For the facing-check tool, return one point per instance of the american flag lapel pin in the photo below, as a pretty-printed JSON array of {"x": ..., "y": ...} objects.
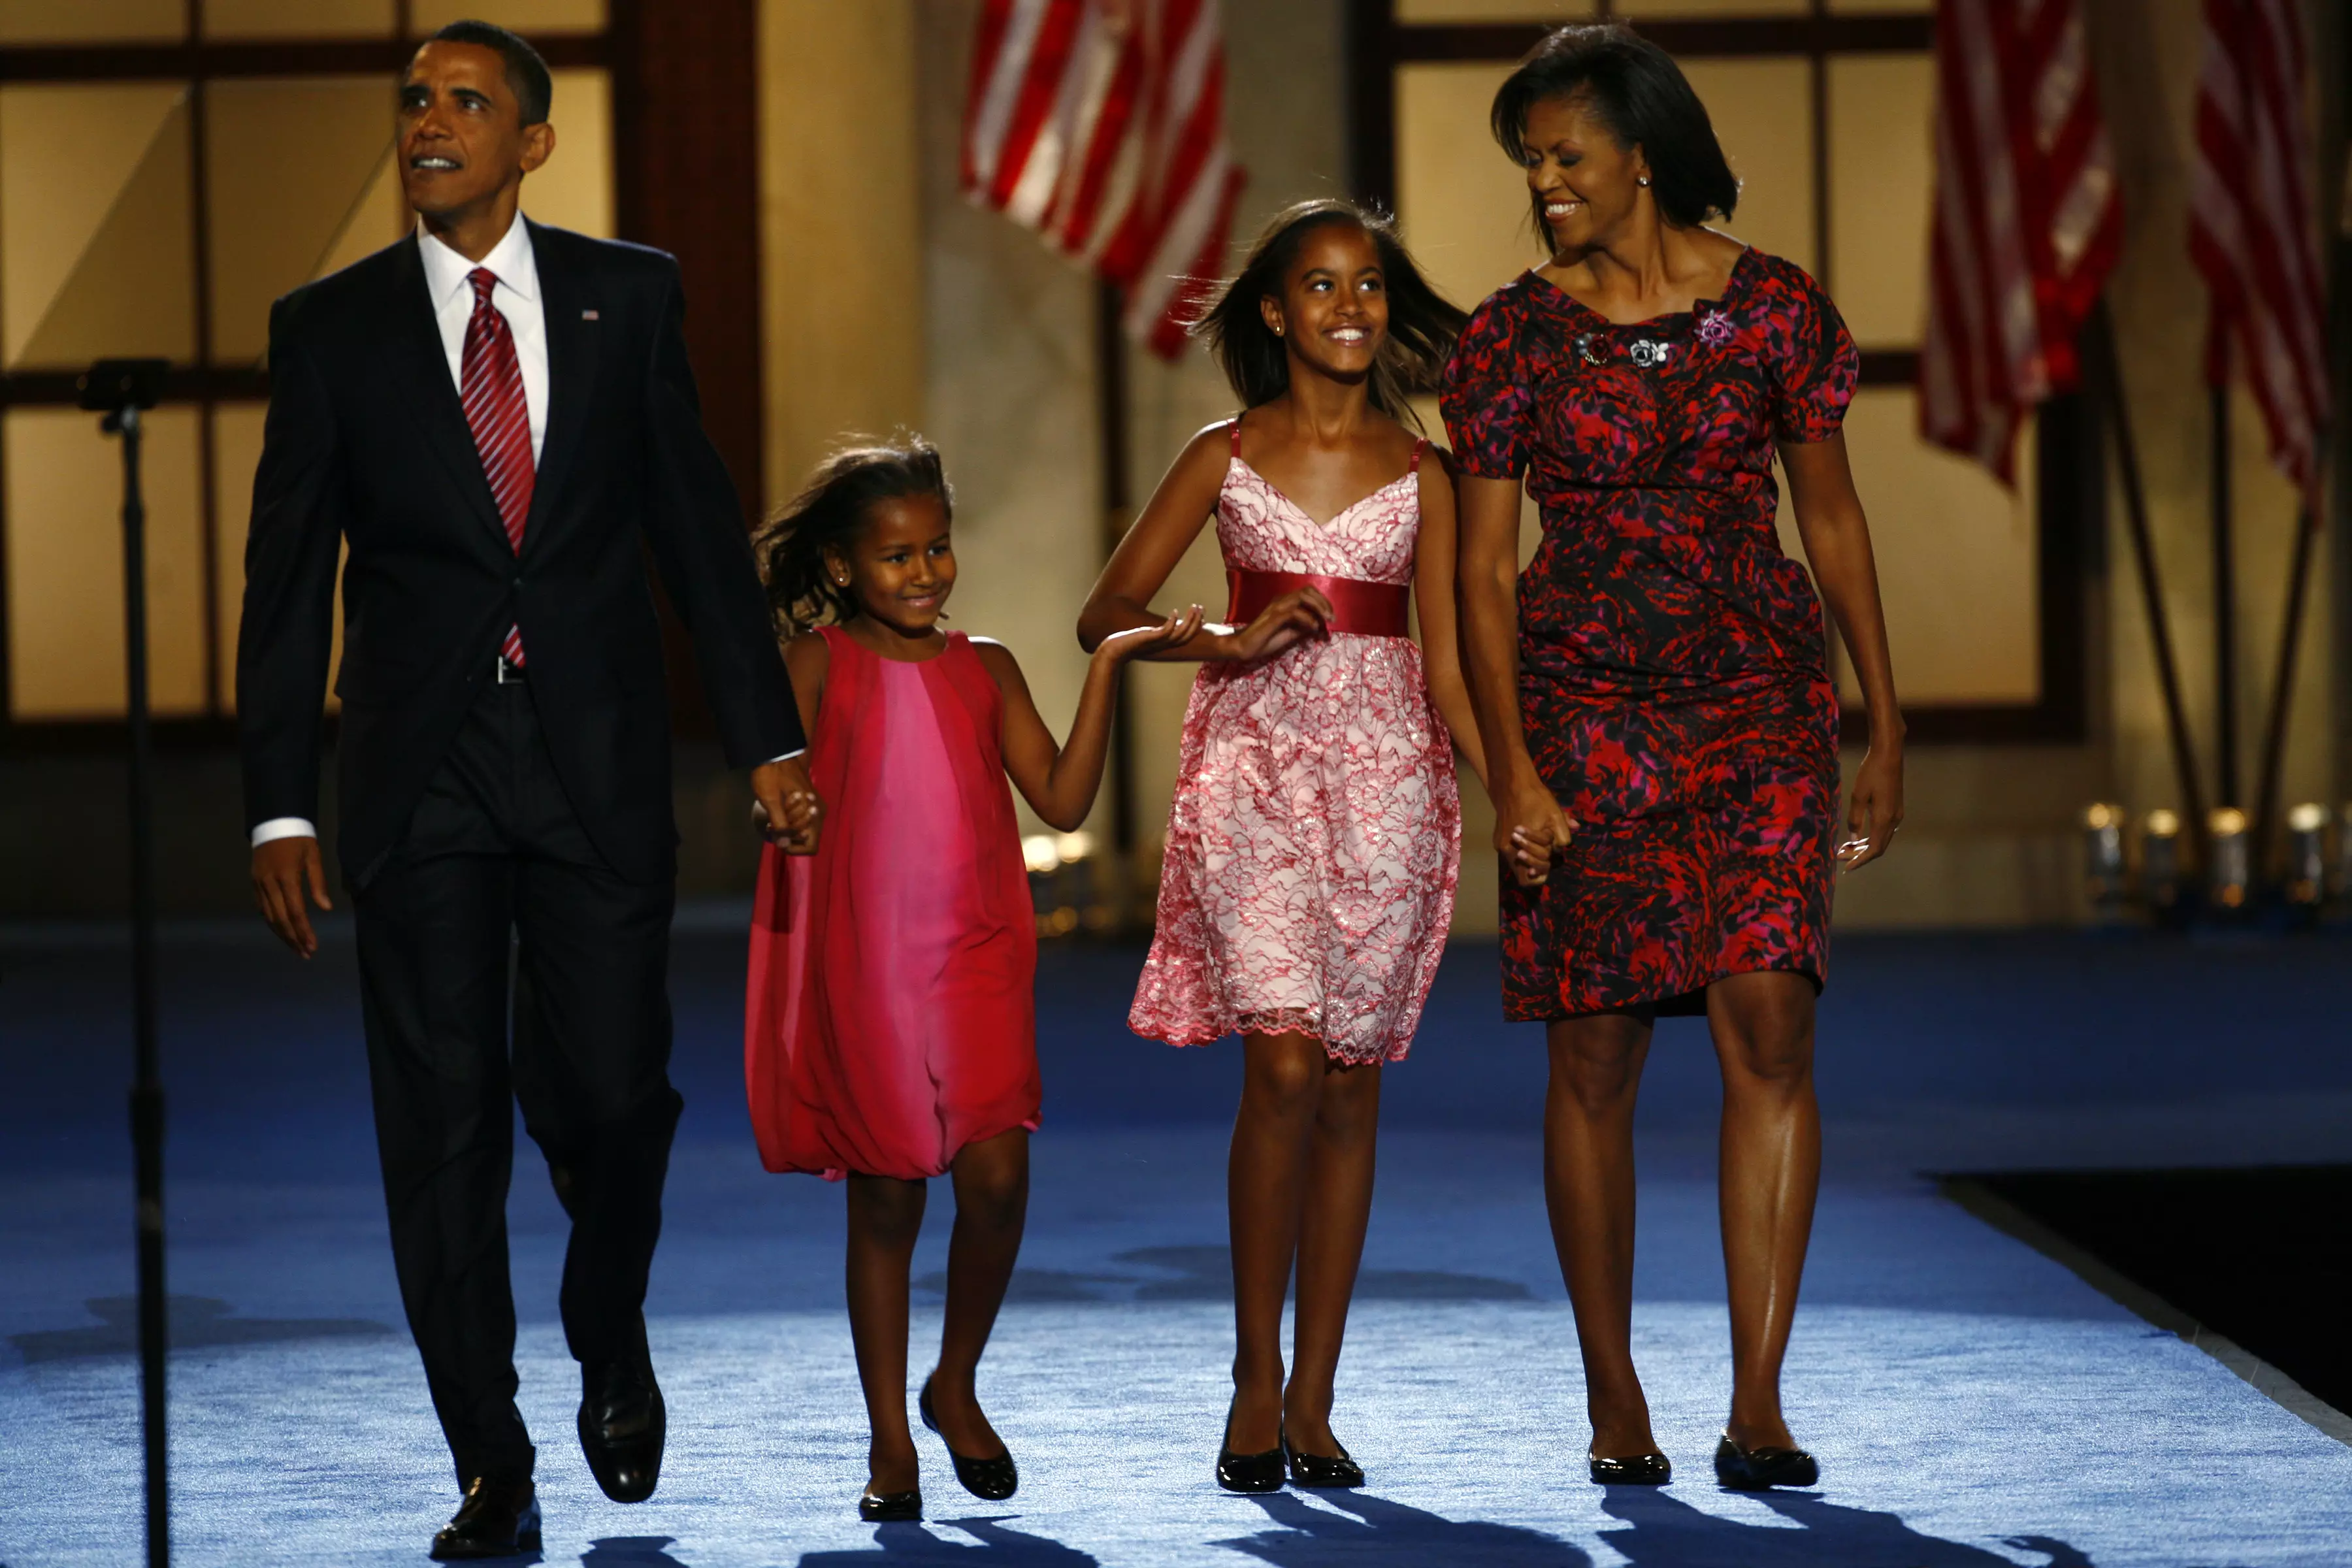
[{"x": 589, "y": 316}]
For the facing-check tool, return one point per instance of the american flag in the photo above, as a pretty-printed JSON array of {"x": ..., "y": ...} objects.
[
  {"x": 1102, "y": 124},
  {"x": 2252, "y": 226},
  {"x": 2028, "y": 220}
]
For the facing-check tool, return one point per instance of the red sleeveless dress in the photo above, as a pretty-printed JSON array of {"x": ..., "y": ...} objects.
[{"x": 891, "y": 1012}]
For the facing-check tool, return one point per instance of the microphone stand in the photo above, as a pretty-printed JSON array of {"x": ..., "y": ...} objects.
[{"x": 122, "y": 389}]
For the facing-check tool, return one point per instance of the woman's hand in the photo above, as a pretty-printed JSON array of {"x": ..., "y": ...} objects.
[
  {"x": 1530, "y": 828},
  {"x": 1873, "y": 811},
  {"x": 1290, "y": 620},
  {"x": 1178, "y": 629}
]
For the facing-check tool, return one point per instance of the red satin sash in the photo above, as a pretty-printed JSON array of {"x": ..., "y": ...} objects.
[{"x": 1362, "y": 608}]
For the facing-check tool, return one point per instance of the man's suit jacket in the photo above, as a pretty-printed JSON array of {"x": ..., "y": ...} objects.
[{"x": 367, "y": 445}]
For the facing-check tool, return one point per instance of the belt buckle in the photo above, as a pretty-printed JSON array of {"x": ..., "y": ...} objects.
[{"x": 508, "y": 674}]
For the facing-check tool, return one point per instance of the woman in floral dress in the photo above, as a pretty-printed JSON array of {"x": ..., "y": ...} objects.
[{"x": 1662, "y": 728}]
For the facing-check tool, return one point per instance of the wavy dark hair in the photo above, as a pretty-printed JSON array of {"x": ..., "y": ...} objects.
[
  {"x": 1423, "y": 324},
  {"x": 831, "y": 508},
  {"x": 1635, "y": 90}
]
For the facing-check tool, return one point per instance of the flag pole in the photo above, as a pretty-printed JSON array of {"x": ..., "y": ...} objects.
[
  {"x": 2225, "y": 584},
  {"x": 2266, "y": 801},
  {"x": 2102, "y": 333},
  {"x": 1117, "y": 500}
]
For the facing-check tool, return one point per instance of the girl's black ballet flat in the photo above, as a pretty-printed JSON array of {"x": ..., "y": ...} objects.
[
  {"x": 1321, "y": 1469},
  {"x": 890, "y": 1507},
  {"x": 993, "y": 1480},
  {"x": 1248, "y": 1472},
  {"x": 1755, "y": 1469},
  {"x": 1637, "y": 1470}
]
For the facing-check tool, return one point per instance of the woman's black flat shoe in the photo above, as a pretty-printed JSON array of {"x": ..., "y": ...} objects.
[
  {"x": 1757, "y": 1469},
  {"x": 890, "y": 1507},
  {"x": 1639, "y": 1470},
  {"x": 1320, "y": 1469},
  {"x": 1248, "y": 1472},
  {"x": 991, "y": 1480}
]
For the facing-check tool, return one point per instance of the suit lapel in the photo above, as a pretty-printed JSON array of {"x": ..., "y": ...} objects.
[
  {"x": 420, "y": 372},
  {"x": 574, "y": 332}
]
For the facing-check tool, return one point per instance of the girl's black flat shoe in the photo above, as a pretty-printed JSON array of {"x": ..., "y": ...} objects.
[
  {"x": 1757, "y": 1469},
  {"x": 1320, "y": 1469},
  {"x": 890, "y": 1507},
  {"x": 1638, "y": 1470},
  {"x": 991, "y": 1480},
  {"x": 1248, "y": 1472}
]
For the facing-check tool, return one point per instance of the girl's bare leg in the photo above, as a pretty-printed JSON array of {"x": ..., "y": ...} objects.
[
  {"x": 1596, "y": 1071},
  {"x": 991, "y": 1193},
  {"x": 885, "y": 1214},
  {"x": 1339, "y": 1205},
  {"x": 1772, "y": 1171},
  {"x": 1282, "y": 1080}
]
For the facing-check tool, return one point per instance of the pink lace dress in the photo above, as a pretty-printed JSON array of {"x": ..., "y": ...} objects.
[{"x": 1315, "y": 839}]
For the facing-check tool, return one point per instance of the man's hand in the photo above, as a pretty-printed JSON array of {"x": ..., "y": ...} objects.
[
  {"x": 783, "y": 795},
  {"x": 282, "y": 869}
]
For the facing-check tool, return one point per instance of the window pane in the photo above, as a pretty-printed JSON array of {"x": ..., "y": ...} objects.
[
  {"x": 1639, "y": 10},
  {"x": 236, "y": 450},
  {"x": 1881, "y": 185},
  {"x": 523, "y": 15},
  {"x": 64, "y": 501},
  {"x": 1957, "y": 560},
  {"x": 298, "y": 19},
  {"x": 1463, "y": 205},
  {"x": 92, "y": 21},
  {"x": 1495, "y": 10},
  {"x": 1762, "y": 110},
  {"x": 274, "y": 219},
  {"x": 574, "y": 189},
  {"x": 94, "y": 247}
]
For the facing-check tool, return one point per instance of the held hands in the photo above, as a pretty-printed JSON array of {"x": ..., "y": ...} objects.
[
  {"x": 283, "y": 870},
  {"x": 1530, "y": 828},
  {"x": 1178, "y": 629},
  {"x": 1873, "y": 811},
  {"x": 1290, "y": 620},
  {"x": 782, "y": 794}
]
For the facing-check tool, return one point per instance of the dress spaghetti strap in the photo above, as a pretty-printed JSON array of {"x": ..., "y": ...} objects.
[
  {"x": 1418, "y": 449},
  {"x": 1236, "y": 428}
]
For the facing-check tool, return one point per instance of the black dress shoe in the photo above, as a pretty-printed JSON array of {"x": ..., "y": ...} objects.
[
  {"x": 1635, "y": 1470},
  {"x": 499, "y": 1519},
  {"x": 1755, "y": 1469},
  {"x": 1248, "y": 1472},
  {"x": 622, "y": 1423},
  {"x": 1321, "y": 1469},
  {"x": 890, "y": 1507},
  {"x": 992, "y": 1480}
]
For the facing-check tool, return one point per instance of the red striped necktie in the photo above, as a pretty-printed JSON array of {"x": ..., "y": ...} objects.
[{"x": 500, "y": 419}]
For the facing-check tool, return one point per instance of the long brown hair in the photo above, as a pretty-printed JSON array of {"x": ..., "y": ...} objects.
[
  {"x": 1423, "y": 324},
  {"x": 831, "y": 508}
]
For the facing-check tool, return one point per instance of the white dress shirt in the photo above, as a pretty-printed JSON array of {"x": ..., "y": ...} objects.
[{"x": 516, "y": 298}]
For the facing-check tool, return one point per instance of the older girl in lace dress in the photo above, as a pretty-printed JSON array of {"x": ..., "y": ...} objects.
[{"x": 1313, "y": 841}]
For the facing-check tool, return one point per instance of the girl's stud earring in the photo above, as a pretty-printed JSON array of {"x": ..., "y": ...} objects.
[{"x": 1643, "y": 181}]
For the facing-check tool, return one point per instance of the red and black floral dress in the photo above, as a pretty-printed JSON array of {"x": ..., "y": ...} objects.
[{"x": 1672, "y": 681}]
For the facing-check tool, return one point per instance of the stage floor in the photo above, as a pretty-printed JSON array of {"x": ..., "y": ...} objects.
[{"x": 1972, "y": 1402}]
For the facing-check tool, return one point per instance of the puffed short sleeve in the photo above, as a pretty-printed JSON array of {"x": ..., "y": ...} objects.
[
  {"x": 1818, "y": 363},
  {"x": 1484, "y": 397}
]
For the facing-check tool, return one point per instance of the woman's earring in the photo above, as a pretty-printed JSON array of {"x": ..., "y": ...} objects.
[{"x": 1643, "y": 181}]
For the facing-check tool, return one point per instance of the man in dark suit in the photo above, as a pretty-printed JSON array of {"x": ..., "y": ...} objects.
[{"x": 496, "y": 419}]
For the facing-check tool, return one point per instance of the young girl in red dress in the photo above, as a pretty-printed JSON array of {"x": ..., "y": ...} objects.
[
  {"x": 1312, "y": 843},
  {"x": 890, "y": 1026}
]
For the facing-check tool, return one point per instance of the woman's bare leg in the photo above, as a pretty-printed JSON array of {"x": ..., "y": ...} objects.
[
  {"x": 885, "y": 1214},
  {"x": 1771, "y": 1172},
  {"x": 1266, "y": 1177},
  {"x": 991, "y": 1193},
  {"x": 1596, "y": 1071},
  {"x": 1339, "y": 1205}
]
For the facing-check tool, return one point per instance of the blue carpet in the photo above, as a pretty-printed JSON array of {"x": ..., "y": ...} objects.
[{"x": 1973, "y": 1403}]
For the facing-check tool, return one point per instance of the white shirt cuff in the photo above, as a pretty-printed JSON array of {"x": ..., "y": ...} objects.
[
  {"x": 283, "y": 827},
  {"x": 788, "y": 756}
]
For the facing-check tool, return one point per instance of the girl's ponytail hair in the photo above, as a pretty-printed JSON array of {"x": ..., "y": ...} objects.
[
  {"x": 1423, "y": 324},
  {"x": 831, "y": 508}
]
